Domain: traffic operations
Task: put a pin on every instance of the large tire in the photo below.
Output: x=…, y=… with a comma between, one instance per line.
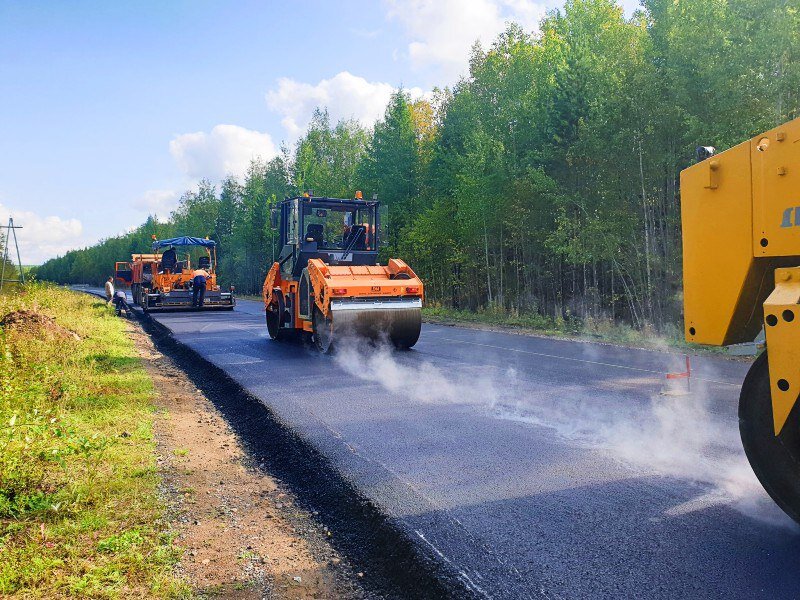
x=323, y=331
x=774, y=459
x=274, y=313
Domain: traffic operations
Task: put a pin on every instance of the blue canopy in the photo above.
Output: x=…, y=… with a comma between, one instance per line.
x=184, y=241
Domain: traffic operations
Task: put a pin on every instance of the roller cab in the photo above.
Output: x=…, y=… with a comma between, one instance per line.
x=327, y=281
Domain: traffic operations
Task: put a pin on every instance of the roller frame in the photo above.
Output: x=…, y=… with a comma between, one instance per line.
x=354, y=297
x=741, y=250
x=782, y=326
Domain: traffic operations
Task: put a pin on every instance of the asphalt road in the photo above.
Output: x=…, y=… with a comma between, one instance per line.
x=536, y=467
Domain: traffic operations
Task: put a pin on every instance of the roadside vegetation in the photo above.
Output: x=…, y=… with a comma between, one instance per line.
x=545, y=181
x=588, y=328
x=80, y=513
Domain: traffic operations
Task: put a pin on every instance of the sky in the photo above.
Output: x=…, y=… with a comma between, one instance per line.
x=109, y=111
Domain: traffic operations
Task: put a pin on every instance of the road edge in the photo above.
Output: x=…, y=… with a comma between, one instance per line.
x=395, y=564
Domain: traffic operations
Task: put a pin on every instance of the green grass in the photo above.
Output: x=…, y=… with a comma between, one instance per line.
x=80, y=512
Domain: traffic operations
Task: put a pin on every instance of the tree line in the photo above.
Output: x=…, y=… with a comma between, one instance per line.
x=545, y=181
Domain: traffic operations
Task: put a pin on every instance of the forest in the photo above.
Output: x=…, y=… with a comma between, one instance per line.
x=545, y=182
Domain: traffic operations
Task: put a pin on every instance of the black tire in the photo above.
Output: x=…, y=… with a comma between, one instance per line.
x=775, y=459
x=323, y=331
x=135, y=293
x=273, y=317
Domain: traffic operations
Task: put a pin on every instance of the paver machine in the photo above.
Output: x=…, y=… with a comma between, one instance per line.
x=163, y=280
x=327, y=281
x=741, y=253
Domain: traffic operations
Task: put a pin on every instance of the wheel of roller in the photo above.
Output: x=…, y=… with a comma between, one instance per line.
x=406, y=335
x=774, y=459
x=274, y=313
x=323, y=331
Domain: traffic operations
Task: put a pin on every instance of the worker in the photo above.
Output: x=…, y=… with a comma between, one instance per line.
x=199, y=278
x=121, y=303
x=109, y=290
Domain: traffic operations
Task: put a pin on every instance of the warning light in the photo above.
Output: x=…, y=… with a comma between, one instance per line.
x=359, y=195
x=412, y=290
x=339, y=291
x=154, y=237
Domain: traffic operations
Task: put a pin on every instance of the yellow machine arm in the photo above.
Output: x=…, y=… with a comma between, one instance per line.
x=741, y=230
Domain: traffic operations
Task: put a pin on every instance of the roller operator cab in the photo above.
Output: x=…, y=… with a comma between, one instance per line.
x=741, y=272
x=327, y=281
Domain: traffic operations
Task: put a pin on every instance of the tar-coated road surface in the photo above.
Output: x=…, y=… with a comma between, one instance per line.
x=536, y=467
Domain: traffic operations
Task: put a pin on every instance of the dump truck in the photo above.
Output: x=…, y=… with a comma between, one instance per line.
x=137, y=273
x=327, y=283
x=741, y=271
x=163, y=280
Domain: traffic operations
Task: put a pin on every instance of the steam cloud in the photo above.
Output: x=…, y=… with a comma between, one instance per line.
x=670, y=436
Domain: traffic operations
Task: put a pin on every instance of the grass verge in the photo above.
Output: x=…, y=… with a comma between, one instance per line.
x=80, y=512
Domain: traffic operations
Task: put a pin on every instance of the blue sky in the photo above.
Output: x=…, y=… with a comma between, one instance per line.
x=110, y=110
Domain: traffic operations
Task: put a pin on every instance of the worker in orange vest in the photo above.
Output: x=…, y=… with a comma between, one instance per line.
x=199, y=278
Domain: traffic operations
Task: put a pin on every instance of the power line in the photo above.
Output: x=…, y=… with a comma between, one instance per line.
x=11, y=230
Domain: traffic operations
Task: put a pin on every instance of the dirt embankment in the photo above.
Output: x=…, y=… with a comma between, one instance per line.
x=243, y=533
x=36, y=324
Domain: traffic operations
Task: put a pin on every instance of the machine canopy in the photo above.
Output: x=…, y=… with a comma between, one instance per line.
x=184, y=241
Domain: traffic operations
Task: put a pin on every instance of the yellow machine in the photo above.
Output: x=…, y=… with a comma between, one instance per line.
x=741, y=253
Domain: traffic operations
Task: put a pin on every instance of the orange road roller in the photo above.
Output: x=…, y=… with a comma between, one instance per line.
x=327, y=281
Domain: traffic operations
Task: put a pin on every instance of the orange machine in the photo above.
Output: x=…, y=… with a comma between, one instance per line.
x=327, y=281
x=162, y=281
x=137, y=273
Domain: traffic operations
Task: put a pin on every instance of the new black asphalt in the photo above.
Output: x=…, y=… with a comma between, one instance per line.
x=529, y=466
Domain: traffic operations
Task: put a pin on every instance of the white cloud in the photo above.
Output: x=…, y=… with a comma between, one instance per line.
x=157, y=202
x=442, y=32
x=346, y=96
x=227, y=149
x=41, y=237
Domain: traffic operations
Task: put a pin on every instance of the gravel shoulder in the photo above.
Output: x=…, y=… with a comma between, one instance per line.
x=243, y=533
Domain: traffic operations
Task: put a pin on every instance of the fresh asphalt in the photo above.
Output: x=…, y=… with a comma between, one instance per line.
x=531, y=467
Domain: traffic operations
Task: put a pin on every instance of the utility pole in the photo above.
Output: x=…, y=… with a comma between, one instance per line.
x=11, y=230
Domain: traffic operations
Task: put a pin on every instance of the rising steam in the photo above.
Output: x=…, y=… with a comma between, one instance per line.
x=649, y=433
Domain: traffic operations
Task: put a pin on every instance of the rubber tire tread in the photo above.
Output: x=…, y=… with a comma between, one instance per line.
x=317, y=316
x=280, y=334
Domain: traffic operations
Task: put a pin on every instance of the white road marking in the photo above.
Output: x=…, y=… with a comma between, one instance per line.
x=231, y=358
